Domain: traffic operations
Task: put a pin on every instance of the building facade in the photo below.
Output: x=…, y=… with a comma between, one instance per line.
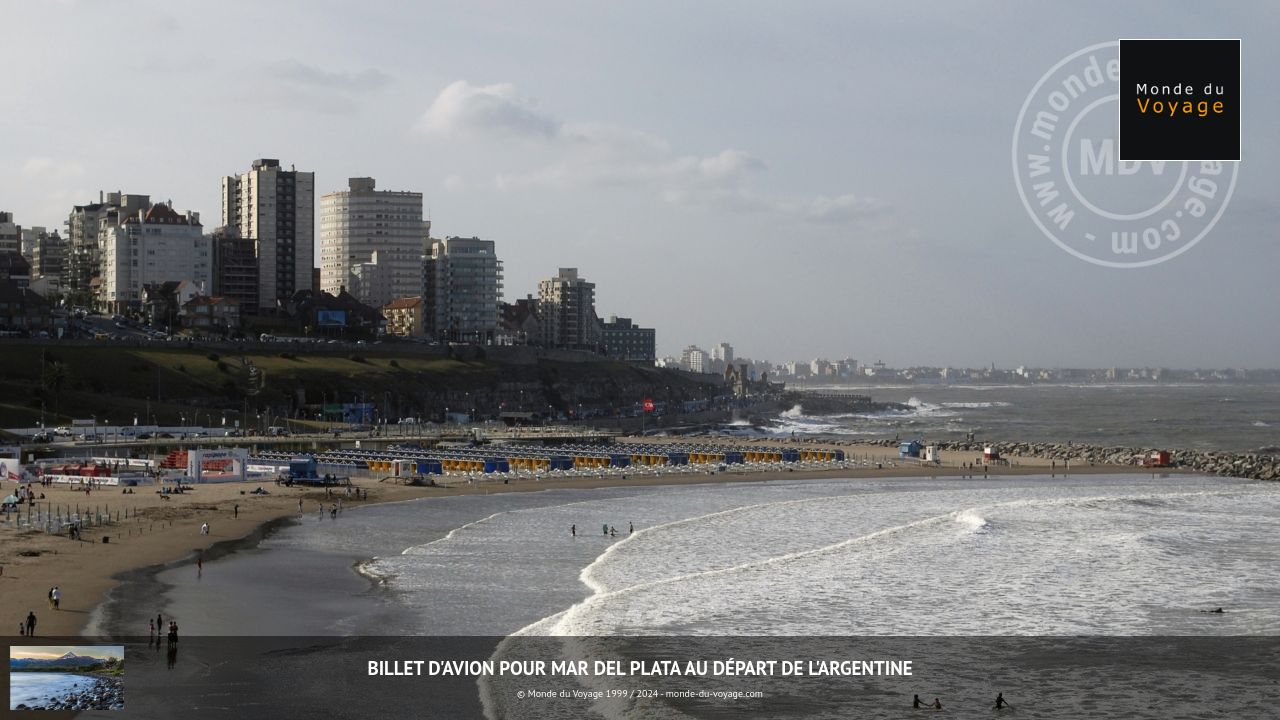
x=152, y=247
x=722, y=352
x=235, y=269
x=405, y=317
x=364, y=226
x=462, y=288
x=623, y=340
x=567, y=305
x=10, y=233
x=275, y=208
x=86, y=225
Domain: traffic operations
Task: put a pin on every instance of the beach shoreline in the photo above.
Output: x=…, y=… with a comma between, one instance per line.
x=161, y=534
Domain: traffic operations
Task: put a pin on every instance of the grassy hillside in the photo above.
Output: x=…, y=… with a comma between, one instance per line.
x=115, y=383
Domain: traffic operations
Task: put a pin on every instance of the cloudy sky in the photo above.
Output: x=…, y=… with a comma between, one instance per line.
x=799, y=179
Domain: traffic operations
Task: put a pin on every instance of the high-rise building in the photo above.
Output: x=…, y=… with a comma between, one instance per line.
x=46, y=252
x=235, y=268
x=275, y=208
x=152, y=247
x=362, y=227
x=622, y=339
x=694, y=359
x=462, y=283
x=10, y=233
x=85, y=227
x=567, y=304
x=722, y=352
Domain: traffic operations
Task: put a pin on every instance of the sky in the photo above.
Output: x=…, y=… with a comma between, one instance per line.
x=47, y=652
x=819, y=179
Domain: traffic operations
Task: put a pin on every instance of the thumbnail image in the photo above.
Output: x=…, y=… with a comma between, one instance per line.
x=66, y=677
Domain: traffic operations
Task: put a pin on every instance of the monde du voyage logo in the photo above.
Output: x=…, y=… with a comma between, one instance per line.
x=1129, y=169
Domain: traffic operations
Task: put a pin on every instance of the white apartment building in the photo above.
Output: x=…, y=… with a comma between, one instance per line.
x=154, y=246
x=363, y=225
x=85, y=226
x=276, y=209
x=722, y=352
x=567, y=304
x=462, y=281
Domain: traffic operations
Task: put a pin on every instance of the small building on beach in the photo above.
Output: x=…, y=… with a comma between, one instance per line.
x=910, y=449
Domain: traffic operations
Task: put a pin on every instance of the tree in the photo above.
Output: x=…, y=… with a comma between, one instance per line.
x=54, y=377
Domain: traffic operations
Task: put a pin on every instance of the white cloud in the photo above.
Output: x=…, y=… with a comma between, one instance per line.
x=588, y=155
x=463, y=108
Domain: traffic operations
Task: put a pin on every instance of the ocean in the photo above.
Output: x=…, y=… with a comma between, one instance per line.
x=1227, y=417
x=34, y=688
x=1024, y=555
x=962, y=566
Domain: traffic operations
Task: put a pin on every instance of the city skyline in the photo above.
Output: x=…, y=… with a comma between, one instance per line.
x=805, y=168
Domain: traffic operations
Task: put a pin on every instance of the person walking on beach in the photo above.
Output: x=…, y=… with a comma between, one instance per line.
x=200, y=565
x=236, y=511
x=56, y=594
x=50, y=598
x=299, y=506
x=204, y=529
x=631, y=527
x=31, y=624
x=151, y=628
x=573, y=530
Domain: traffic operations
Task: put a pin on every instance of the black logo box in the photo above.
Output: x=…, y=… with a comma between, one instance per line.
x=1180, y=64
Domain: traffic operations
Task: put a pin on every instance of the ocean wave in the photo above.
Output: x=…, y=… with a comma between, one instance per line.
x=974, y=521
x=584, y=617
x=569, y=623
x=978, y=405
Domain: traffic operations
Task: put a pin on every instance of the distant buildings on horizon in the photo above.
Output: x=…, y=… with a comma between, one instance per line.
x=820, y=371
x=380, y=271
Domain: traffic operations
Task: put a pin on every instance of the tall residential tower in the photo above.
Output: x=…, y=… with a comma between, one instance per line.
x=275, y=208
x=371, y=242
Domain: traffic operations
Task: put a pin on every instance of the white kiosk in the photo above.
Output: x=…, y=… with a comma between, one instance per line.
x=196, y=459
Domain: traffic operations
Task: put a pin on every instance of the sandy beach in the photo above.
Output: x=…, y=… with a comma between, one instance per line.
x=156, y=531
